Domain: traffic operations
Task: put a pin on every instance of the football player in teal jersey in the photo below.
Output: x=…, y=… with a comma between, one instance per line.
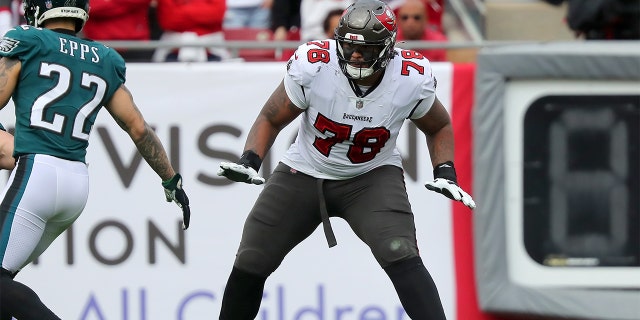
x=59, y=83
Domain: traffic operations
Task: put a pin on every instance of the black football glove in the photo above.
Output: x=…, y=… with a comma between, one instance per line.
x=174, y=192
x=445, y=182
x=245, y=170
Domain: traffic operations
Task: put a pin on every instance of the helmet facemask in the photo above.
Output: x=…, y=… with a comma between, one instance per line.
x=368, y=28
x=375, y=57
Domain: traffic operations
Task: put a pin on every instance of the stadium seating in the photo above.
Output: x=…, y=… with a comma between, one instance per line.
x=251, y=34
x=259, y=35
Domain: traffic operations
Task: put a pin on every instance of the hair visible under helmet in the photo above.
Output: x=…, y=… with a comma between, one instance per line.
x=36, y=12
x=368, y=27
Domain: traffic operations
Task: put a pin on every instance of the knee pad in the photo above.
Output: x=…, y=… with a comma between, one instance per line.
x=395, y=249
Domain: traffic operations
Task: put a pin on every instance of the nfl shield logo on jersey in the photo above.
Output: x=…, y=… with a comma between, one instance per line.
x=359, y=104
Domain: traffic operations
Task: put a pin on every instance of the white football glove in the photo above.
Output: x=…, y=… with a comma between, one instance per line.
x=451, y=190
x=239, y=173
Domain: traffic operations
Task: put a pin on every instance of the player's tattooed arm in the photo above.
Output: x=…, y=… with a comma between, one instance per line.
x=276, y=114
x=125, y=112
x=152, y=150
x=9, y=73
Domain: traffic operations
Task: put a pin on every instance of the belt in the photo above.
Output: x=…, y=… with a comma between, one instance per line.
x=326, y=224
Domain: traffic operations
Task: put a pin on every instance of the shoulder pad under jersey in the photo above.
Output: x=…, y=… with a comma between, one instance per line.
x=309, y=59
x=18, y=41
x=416, y=74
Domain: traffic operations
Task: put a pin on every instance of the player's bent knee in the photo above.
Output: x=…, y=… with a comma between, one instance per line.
x=256, y=262
x=394, y=250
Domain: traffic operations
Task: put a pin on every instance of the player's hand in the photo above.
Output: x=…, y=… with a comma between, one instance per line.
x=239, y=173
x=174, y=192
x=451, y=190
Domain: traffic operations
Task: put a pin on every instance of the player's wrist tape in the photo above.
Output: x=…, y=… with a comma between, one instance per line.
x=250, y=159
x=445, y=170
x=171, y=183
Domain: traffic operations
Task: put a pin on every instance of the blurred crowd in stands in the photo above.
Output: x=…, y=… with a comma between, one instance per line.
x=603, y=19
x=216, y=21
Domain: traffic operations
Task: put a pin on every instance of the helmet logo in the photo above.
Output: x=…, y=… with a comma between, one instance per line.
x=48, y=4
x=388, y=19
x=354, y=36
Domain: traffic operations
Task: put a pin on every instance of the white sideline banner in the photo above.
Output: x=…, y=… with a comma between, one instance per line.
x=126, y=257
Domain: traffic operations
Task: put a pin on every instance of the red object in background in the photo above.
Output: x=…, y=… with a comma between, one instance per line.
x=251, y=34
x=126, y=21
x=260, y=35
x=467, y=307
x=199, y=16
x=435, y=10
x=293, y=35
x=430, y=35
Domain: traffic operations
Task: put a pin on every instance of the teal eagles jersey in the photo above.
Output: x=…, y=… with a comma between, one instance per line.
x=64, y=82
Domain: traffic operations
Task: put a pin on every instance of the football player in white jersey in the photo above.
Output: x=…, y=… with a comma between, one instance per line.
x=353, y=92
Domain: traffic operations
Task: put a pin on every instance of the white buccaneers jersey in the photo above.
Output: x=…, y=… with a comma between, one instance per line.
x=342, y=135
